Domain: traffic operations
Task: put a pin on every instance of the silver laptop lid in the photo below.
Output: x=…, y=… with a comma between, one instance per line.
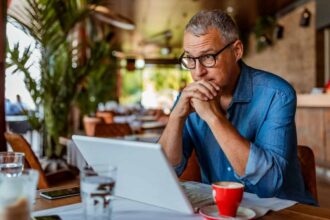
x=144, y=174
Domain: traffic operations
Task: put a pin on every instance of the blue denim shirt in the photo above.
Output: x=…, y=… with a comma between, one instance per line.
x=263, y=111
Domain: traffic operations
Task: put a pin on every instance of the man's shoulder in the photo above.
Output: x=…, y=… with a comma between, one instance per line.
x=268, y=81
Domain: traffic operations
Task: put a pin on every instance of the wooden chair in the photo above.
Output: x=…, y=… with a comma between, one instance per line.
x=106, y=115
x=306, y=160
x=112, y=130
x=19, y=144
x=192, y=171
x=307, y=164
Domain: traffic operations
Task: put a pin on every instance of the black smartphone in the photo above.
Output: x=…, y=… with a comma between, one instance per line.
x=47, y=217
x=61, y=193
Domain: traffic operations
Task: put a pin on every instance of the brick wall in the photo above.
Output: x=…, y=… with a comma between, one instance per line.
x=294, y=56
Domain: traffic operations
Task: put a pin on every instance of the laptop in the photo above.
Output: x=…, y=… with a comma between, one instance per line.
x=144, y=173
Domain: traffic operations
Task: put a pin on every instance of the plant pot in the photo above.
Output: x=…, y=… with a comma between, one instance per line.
x=89, y=124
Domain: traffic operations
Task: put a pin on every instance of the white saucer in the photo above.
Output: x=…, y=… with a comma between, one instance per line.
x=211, y=213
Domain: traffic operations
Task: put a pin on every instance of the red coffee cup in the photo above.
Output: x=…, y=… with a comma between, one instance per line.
x=227, y=197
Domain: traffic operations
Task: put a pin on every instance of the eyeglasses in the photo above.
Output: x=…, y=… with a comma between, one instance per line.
x=207, y=60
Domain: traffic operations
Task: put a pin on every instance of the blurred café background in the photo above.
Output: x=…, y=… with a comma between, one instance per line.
x=110, y=68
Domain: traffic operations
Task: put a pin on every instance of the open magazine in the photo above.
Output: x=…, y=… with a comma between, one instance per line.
x=199, y=194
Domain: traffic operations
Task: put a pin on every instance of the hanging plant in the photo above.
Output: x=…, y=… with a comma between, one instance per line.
x=263, y=31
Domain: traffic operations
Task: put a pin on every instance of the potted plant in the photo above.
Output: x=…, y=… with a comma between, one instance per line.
x=98, y=87
x=54, y=24
x=263, y=31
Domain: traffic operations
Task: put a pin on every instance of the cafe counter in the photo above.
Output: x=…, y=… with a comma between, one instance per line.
x=313, y=125
x=313, y=100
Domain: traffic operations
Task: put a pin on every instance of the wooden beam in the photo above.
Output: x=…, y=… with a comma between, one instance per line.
x=3, y=12
x=165, y=61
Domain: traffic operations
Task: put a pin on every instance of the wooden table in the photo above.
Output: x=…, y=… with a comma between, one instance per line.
x=299, y=212
x=42, y=203
x=296, y=212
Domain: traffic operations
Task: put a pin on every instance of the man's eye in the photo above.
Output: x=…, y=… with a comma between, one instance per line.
x=207, y=56
x=189, y=60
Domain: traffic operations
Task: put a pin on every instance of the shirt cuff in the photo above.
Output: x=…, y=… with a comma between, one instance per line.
x=257, y=166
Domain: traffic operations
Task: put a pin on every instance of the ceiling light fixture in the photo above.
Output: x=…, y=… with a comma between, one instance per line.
x=264, y=39
x=305, y=18
x=139, y=63
x=279, y=30
x=230, y=9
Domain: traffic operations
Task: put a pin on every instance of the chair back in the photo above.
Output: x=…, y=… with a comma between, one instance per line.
x=112, y=130
x=19, y=144
x=106, y=115
x=307, y=164
x=192, y=171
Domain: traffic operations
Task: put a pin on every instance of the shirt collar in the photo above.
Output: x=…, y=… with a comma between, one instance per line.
x=243, y=91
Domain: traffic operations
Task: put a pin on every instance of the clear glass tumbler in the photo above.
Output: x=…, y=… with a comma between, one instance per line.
x=11, y=163
x=97, y=187
x=17, y=194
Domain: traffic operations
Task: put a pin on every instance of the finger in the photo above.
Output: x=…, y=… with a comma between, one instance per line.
x=216, y=86
x=196, y=94
x=209, y=86
x=199, y=87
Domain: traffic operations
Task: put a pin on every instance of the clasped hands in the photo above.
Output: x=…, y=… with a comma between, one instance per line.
x=203, y=97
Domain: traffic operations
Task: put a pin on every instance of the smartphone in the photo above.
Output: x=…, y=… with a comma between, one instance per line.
x=47, y=217
x=61, y=193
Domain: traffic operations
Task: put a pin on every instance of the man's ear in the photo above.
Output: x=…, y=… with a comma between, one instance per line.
x=238, y=50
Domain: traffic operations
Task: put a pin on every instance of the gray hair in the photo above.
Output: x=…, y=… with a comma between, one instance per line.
x=203, y=20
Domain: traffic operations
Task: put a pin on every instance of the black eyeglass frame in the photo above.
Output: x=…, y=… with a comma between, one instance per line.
x=199, y=58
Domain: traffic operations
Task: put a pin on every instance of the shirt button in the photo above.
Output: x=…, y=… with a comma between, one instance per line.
x=229, y=169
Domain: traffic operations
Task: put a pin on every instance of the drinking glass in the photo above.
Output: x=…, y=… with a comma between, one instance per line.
x=97, y=184
x=11, y=163
x=17, y=194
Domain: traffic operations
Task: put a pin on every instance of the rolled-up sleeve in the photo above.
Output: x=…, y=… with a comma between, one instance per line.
x=275, y=144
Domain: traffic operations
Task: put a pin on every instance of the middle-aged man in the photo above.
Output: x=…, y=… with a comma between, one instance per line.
x=239, y=120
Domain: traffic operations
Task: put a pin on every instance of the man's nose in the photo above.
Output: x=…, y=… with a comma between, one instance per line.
x=200, y=70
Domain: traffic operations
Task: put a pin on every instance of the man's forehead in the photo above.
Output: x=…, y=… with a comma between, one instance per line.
x=202, y=43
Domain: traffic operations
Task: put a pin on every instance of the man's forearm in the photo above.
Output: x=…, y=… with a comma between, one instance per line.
x=235, y=147
x=171, y=139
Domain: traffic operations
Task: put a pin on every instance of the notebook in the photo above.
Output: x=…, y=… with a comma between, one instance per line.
x=144, y=173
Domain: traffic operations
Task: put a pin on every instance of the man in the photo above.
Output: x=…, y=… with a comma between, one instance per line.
x=239, y=120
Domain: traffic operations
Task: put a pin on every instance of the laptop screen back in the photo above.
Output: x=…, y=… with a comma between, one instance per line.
x=144, y=174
